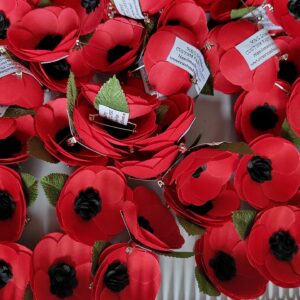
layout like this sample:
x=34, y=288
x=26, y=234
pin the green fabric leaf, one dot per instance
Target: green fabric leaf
x=28, y=293
x=205, y=286
x=98, y=248
x=16, y=112
x=176, y=254
x=238, y=147
x=160, y=112
x=111, y=95
x=289, y=134
x=243, y=221
x=30, y=187
x=239, y=13
x=52, y=185
x=71, y=99
x=190, y=228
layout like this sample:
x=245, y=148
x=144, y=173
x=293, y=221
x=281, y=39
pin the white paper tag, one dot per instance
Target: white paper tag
x=257, y=49
x=113, y=115
x=260, y=13
x=3, y=109
x=189, y=58
x=129, y=8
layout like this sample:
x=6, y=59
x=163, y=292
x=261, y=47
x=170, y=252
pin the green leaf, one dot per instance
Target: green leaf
x=289, y=134
x=52, y=185
x=111, y=95
x=190, y=228
x=28, y=293
x=205, y=286
x=98, y=248
x=160, y=112
x=243, y=221
x=16, y=111
x=44, y=3
x=208, y=88
x=176, y=254
x=238, y=147
x=239, y=13
x=71, y=94
x=30, y=187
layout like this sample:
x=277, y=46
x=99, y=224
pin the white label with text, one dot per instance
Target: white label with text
x=113, y=115
x=129, y=8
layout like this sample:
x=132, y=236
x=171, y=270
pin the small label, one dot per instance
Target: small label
x=129, y=8
x=257, y=49
x=189, y=58
x=113, y=115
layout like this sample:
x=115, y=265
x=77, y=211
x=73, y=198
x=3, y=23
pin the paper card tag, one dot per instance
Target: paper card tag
x=189, y=58
x=260, y=13
x=3, y=109
x=113, y=115
x=129, y=8
x=257, y=49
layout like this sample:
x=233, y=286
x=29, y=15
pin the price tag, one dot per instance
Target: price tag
x=129, y=8
x=189, y=58
x=113, y=115
x=257, y=49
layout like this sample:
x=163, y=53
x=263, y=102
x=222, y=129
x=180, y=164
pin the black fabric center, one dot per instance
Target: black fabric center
x=87, y=204
x=283, y=246
x=116, y=277
x=5, y=274
x=58, y=70
x=90, y=5
x=62, y=280
x=7, y=206
x=49, y=42
x=62, y=137
x=223, y=265
x=264, y=117
x=198, y=172
x=287, y=71
x=117, y=130
x=294, y=8
x=173, y=22
x=143, y=222
x=117, y=52
x=10, y=146
x=260, y=169
x=4, y=24
x=202, y=209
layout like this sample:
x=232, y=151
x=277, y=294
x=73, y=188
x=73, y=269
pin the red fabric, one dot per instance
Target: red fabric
x=293, y=106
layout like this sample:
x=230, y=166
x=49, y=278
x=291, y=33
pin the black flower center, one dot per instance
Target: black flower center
x=264, y=117
x=260, y=169
x=117, y=130
x=62, y=280
x=117, y=52
x=223, y=265
x=58, y=70
x=202, y=209
x=87, y=204
x=62, y=137
x=4, y=24
x=116, y=277
x=283, y=246
x=143, y=222
x=5, y=274
x=198, y=172
x=7, y=206
x=49, y=42
x=173, y=23
x=10, y=146
x=287, y=71
x=294, y=8
x=90, y=5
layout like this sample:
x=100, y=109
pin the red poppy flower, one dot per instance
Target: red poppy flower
x=205, y=4
x=222, y=255
x=15, y=270
x=271, y=175
x=90, y=13
x=127, y=272
x=52, y=126
x=114, y=45
x=293, y=106
x=259, y=113
x=213, y=53
x=12, y=205
x=150, y=222
x=241, y=74
x=215, y=212
x=221, y=10
x=287, y=14
x=188, y=14
x=107, y=137
x=14, y=137
x=273, y=245
x=165, y=77
x=61, y=268
x=32, y=39
x=202, y=175
x=90, y=202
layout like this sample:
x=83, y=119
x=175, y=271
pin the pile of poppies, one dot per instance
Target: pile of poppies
x=123, y=77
